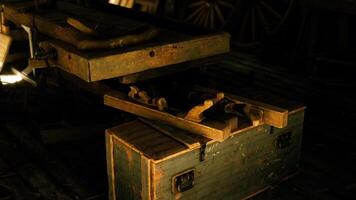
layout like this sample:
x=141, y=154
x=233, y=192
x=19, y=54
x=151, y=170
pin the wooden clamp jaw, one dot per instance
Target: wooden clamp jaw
x=254, y=114
x=142, y=97
x=196, y=113
x=258, y=112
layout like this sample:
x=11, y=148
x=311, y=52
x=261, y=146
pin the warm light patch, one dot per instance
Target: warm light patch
x=5, y=42
x=123, y=3
x=10, y=79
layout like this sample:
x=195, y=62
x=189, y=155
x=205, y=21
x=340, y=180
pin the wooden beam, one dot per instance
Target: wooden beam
x=214, y=130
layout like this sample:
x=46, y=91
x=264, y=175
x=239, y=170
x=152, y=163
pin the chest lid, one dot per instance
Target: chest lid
x=155, y=140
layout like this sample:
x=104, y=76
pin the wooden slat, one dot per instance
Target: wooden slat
x=143, y=111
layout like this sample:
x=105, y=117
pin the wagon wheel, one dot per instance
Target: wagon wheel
x=213, y=14
x=249, y=21
x=257, y=19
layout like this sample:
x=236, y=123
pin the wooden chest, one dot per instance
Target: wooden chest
x=147, y=160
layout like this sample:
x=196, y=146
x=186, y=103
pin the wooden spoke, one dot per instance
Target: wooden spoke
x=225, y=4
x=243, y=27
x=195, y=13
x=271, y=10
x=212, y=18
x=199, y=17
x=249, y=21
x=219, y=14
x=207, y=17
x=196, y=4
x=263, y=19
x=253, y=24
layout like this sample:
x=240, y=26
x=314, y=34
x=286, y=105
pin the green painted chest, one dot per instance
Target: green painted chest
x=154, y=161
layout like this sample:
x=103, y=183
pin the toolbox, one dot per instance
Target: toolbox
x=151, y=160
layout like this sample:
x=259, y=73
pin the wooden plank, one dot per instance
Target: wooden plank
x=272, y=115
x=143, y=111
x=151, y=56
x=5, y=42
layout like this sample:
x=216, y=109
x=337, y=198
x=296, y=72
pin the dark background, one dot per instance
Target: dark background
x=310, y=59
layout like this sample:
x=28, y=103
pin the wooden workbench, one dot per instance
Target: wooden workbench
x=167, y=48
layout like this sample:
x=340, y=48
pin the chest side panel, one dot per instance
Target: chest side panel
x=127, y=172
x=236, y=168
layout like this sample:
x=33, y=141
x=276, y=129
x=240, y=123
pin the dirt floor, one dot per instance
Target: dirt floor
x=37, y=163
